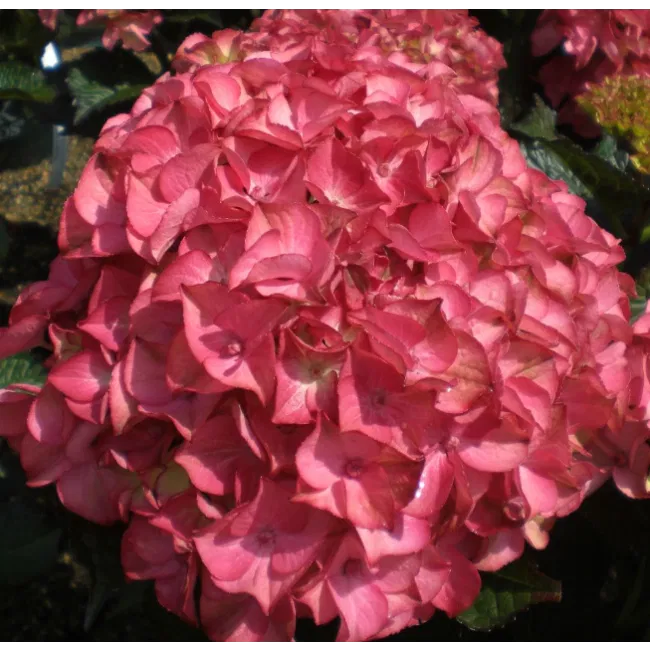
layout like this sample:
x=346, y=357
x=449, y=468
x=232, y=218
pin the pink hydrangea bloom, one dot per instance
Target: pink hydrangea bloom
x=130, y=27
x=49, y=17
x=597, y=43
x=410, y=38
x=322, y=338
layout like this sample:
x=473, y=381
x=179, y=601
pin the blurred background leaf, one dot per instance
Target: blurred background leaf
x=23, y=82
x=637, y=306
x=185, y=16
x=608, y=150
x=90, y=96
x=22, y=36
x=106, y=82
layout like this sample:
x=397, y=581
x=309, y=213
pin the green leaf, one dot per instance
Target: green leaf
x=637, y=305
x=608, y=150
x=90, y=96
x=590, y=172
x=21, y=369
x=539, y=122
x=22, y=82
x=186, y=16
x=597, y=174
x=28, y=547
x=101, y=79
x=504, y=593
x=542, y=157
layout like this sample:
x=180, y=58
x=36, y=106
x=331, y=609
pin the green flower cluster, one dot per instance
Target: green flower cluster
x=620, y=106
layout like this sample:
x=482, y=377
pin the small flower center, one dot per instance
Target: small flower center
x=452, y=442
x=384, y=170
x=258, y=193
x=334, y=200
x=266, y=537
x=515, y=509
x=354, y=467
x=232, y=349
x=352, y=568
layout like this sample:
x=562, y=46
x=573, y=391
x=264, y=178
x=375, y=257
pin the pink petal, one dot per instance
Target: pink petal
x=144, y=374
x=409, y=535
x=83, y=377
x=434, y=485
x=363, y=607
x=109, y=323
x=94, y=493
x=500, y=450
x=214, y=454
x=501, y=549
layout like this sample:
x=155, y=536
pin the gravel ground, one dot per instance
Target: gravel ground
x=30, y=210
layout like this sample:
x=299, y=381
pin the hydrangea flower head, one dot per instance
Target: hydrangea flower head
x=321, y=336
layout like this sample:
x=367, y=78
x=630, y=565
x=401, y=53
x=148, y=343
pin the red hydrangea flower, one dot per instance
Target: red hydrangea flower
x=411, y=39
x=49, y=17
x=130, y=27
x=321, y=336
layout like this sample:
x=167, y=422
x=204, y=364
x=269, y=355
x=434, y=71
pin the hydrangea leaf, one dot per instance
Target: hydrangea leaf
x=539, y=122
x=512, y=589
x=21, y=369
x=637, y=305
x=608, y=150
